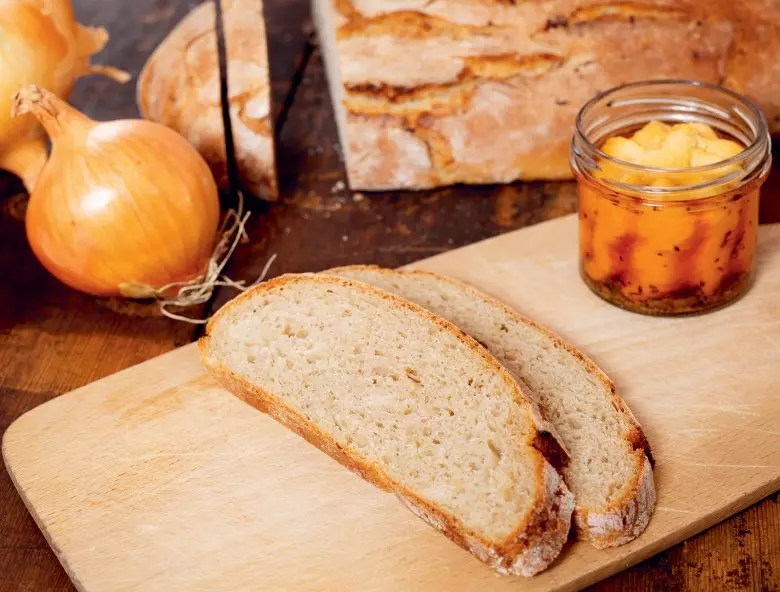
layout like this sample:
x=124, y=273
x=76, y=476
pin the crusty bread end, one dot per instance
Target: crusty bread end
x=631, y=494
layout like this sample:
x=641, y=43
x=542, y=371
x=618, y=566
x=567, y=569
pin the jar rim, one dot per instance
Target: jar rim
x=757, y=146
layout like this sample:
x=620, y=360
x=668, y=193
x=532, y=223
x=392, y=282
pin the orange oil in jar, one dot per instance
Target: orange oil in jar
x=675, y=230
x=667, y=260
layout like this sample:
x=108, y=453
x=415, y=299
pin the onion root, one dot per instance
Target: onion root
x=199, y=290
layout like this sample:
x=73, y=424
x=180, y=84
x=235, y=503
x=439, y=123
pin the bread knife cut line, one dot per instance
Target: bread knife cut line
x=224, y=100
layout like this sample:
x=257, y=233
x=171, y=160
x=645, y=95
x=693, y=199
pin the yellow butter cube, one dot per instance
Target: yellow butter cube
x=703, y=158
x=680, y=138
x=674, y=152
x=623, y=149
x=662, y=146
x=723, y=148
x=701, y=130
x=652, y=135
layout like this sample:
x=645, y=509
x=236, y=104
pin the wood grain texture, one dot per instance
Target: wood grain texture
x=51, y=338
x=125, y=475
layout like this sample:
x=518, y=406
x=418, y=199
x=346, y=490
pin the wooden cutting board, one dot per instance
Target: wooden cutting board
x=157, y=479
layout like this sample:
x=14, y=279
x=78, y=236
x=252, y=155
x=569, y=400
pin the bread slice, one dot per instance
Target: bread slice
x=405, y=400
x=179, y=87
x=610, y=464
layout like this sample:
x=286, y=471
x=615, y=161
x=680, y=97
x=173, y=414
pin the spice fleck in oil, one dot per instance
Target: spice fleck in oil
x=688, y=250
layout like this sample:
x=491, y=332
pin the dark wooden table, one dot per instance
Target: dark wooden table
x=53, y=339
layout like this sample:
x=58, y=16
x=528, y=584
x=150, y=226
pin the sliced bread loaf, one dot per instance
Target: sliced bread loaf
x=609, y=469
x=179, y=87
x=407, y=401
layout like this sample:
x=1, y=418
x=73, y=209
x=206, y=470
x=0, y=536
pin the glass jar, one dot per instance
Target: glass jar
x=668, y=241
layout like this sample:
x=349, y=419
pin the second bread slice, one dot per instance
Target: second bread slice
x=406, y=400
x=609, y=468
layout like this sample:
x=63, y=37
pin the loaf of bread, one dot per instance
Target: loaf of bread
x=180, y=87
x=430, y=93
x=407, y=401
x=609, y=469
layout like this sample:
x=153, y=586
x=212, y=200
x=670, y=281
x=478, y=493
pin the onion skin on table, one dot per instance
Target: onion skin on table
x=121, y=208
x=40, y=43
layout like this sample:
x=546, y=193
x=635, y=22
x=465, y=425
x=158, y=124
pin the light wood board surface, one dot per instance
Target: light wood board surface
x=157, y=479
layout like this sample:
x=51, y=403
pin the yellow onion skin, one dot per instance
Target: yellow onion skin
x=40, y=43
x=121, y=208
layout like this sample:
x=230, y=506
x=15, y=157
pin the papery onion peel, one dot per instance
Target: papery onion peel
x=40, y=43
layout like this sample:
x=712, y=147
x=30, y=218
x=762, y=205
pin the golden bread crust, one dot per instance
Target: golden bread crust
x=624, y=518
x=179, y=87
x=486, y=92
x=537, y=540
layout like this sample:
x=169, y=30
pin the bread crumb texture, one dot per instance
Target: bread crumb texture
x=607, y=469
x=392, y=386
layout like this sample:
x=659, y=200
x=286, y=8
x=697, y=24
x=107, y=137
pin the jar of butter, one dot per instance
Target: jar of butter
x=668, y=177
